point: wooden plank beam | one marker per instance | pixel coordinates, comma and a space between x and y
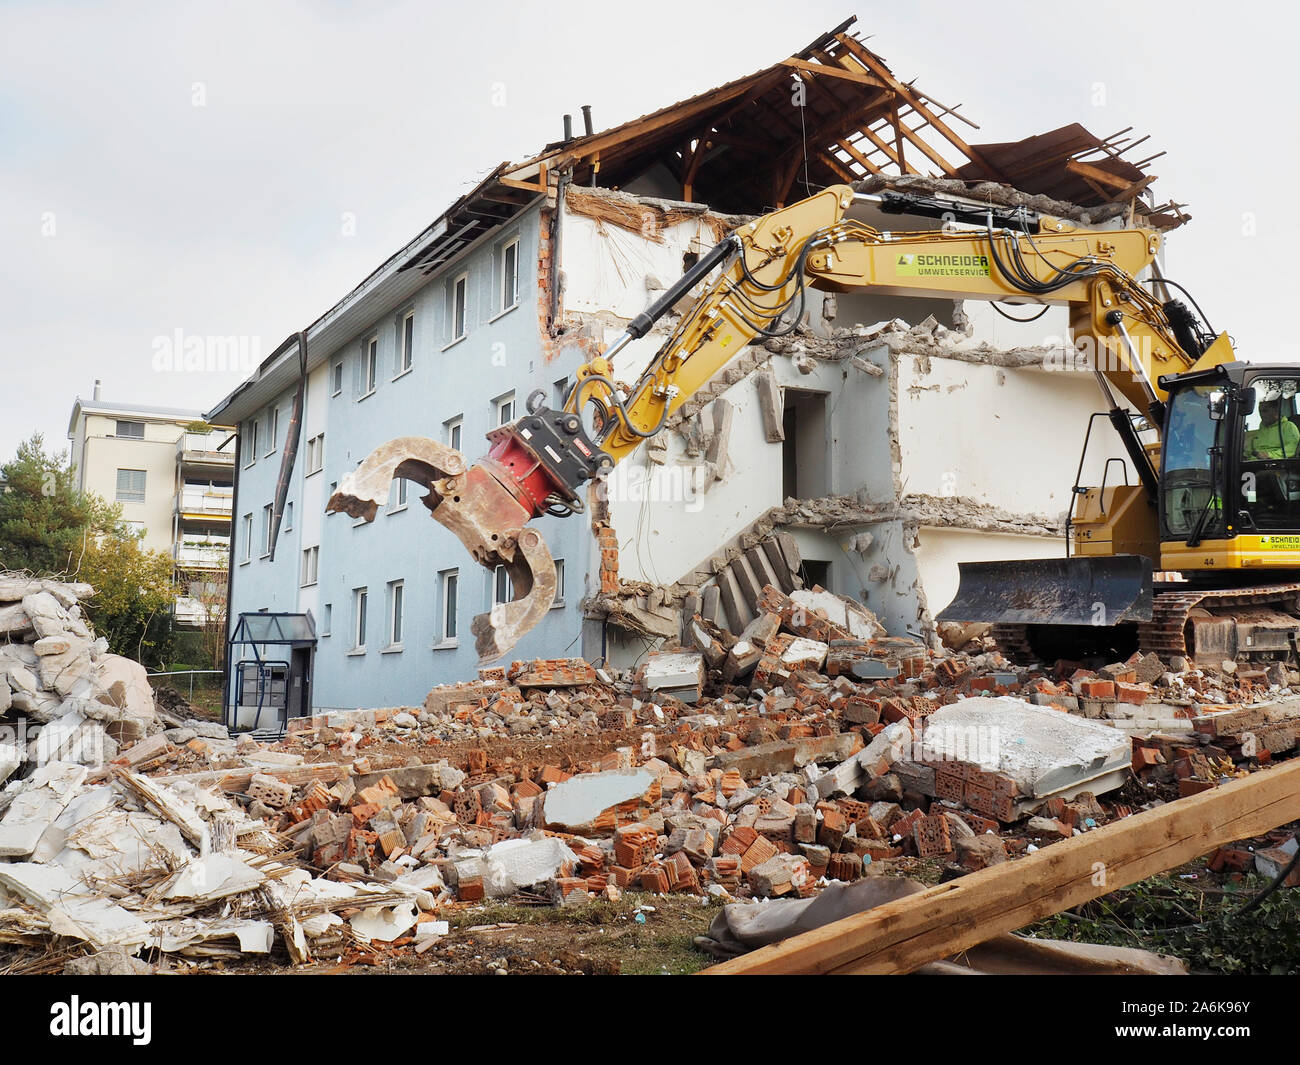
901, 936
858, 157
1097, 174
827, 158
836, 71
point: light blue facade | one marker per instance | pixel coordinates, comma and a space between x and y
501, 353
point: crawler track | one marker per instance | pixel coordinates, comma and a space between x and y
1165, 633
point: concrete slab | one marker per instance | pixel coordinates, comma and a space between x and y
1044, 750
70, 907
35, 808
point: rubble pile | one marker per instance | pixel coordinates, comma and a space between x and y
809, 749
62, 695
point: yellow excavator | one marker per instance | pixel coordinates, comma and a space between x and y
1214, 510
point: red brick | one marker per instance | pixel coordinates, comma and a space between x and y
1097, 689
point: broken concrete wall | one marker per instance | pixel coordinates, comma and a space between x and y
1009, 437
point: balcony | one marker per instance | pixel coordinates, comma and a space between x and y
211, 555
213, 502
190, 613
204, 449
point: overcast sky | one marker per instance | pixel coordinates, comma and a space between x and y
234, 169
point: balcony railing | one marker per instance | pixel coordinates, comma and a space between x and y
208, 556
203, 447
207, 501
191, 612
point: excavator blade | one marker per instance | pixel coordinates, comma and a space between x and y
485, 517
1053, 591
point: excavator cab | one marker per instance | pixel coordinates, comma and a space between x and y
1230, 469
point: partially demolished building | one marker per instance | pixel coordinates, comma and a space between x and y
885, 439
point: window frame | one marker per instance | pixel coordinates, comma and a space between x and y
559, 584
459, 287
508, 246
310, 566
360, 608
499, 404
405, 343
119, 435
448, 608
369, 367
253, 427
268, 518
500, 574
315, 454
273, 430
248, 539
396, 602
118, 496
401, 493
454, 431
336, 379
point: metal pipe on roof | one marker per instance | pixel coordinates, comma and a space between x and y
568, 128
586, 119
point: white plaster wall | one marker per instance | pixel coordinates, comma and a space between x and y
104, 454
670, 523
939, 550
606, 267
1008, 437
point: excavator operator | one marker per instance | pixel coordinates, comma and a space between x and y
1276, 438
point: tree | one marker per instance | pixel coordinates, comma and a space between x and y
208, 589
45, 523
134, 596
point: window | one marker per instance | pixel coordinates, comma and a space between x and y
310, 565
327, 617
336, 385
450, 581
273, 429
559, 583
135, 528
459, 291
252, 442
1269, 459
505, 409
288, 517
266, 528
453, 431
369, 366
502, 586
315, 454
248, 537
405, 342
399, 494
130, 430
396, 595
360, 601
130, 486
510, 274
559, 392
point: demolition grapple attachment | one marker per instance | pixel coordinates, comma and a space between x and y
534, 466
